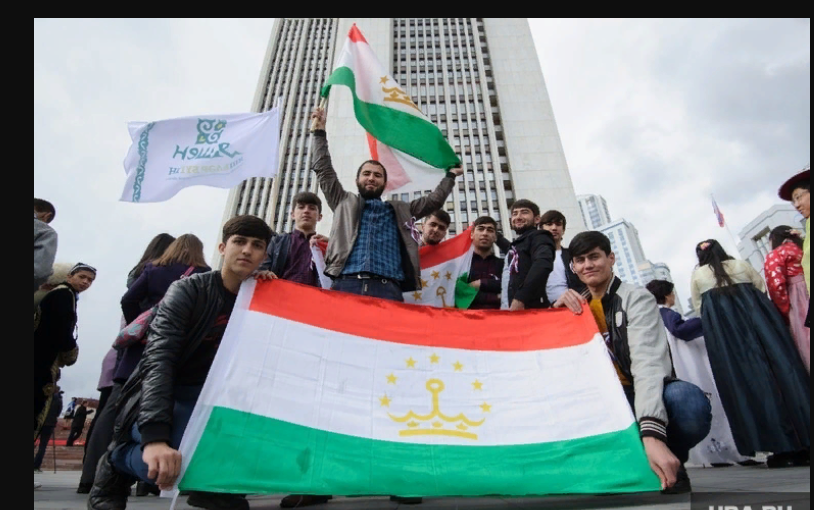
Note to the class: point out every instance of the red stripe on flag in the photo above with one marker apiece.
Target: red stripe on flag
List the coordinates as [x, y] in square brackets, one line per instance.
[355, 35]
[432, 256]
[374, 147]
[377, 319]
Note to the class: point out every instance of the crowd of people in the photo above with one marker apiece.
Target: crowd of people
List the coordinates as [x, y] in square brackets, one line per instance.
[721, 388]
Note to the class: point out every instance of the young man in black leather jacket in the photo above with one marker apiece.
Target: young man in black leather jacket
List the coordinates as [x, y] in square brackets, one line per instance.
[158, 400]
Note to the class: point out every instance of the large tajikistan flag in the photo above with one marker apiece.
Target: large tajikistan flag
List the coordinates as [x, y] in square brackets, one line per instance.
[412, 148]
[320, 392]
[213, 150]
[442, 266]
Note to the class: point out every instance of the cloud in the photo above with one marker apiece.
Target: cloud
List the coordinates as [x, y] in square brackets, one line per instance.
[90, 78]
[656, 115]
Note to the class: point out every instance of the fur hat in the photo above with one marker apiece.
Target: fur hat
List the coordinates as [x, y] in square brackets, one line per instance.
[60, 274]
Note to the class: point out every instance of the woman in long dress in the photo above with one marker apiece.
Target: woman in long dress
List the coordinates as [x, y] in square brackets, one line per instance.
[691, 363]
[761, 379]
[787, 286]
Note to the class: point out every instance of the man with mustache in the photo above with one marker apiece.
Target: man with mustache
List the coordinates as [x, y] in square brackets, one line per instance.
[532, 258]
[372, 250]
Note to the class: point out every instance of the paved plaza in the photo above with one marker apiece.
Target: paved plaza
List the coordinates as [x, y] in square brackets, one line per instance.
[58, 493]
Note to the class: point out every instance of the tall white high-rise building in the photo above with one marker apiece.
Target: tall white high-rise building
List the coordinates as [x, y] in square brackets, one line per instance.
[594, 211]
[624, 238]
[478, 79]
[649, 271]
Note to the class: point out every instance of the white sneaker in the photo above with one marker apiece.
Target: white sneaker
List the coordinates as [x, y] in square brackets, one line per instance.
[37, 486]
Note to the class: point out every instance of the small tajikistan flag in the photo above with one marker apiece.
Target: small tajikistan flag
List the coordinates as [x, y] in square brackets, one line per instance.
[400, 136]
[320, 392]
[442, 267]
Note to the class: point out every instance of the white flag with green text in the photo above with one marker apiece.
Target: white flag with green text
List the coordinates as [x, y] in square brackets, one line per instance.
[212, 150]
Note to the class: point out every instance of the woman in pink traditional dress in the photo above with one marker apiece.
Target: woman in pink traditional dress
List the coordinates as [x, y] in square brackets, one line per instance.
[787, 285]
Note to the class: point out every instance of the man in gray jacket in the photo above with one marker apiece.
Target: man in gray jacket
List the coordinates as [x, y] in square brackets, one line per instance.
[674, 416]
[45, 242]
[373, 249]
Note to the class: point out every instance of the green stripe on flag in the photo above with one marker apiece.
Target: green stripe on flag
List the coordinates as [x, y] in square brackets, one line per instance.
[243, 453]
[465, 294]
[402, 131]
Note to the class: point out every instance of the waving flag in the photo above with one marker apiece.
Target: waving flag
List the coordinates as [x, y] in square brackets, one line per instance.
[215, 150]
[320, 392]
[400, 136]
[718, 213]
[442, 267]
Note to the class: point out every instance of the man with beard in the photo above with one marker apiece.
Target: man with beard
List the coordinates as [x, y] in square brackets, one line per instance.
[532, 258]
[372, 251]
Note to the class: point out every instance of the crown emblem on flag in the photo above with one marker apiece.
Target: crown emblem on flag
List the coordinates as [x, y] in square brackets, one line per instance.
[439, 423]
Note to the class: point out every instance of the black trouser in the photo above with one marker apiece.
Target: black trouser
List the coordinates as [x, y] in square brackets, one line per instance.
[97, 443]
[104, 397]
[74, 435]
[45, 437]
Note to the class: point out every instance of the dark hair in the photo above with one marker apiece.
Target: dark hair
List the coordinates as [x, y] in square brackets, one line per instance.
[484, 220]
[154, 251]
[782, 234]
[801, 184]
[661, 289]
[554, 217]
[585, 242]
[186, 250]
[711, 253]
[371, 162]
[44, 206]
[526, 204]
[307, 198]
[442, 216]
[247, 226]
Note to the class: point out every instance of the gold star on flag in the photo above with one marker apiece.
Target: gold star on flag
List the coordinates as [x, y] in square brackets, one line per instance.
[477, 385]
[385, 401]
[457, 366]
[383, 80]
[391, 379]
[424, 284]
[435, 358]
[417, 296]
[436, 275]
[449, 275]
[411, 363]
[486, 408]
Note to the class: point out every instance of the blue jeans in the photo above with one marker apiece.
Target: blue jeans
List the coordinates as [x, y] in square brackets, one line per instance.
[689, 412]
[127, 457]
[377, 288]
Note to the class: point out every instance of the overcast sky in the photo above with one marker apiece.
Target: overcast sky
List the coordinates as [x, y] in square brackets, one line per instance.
[654, 115]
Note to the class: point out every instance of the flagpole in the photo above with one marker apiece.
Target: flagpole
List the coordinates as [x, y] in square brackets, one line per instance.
[735, 240]
[322, 103]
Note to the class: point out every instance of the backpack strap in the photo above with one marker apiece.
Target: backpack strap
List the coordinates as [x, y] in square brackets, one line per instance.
[189, 272]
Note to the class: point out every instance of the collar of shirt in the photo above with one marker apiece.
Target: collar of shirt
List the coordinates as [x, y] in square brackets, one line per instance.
[303, 235]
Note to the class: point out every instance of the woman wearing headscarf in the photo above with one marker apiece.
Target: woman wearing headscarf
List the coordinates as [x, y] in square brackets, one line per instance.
[762, 382]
